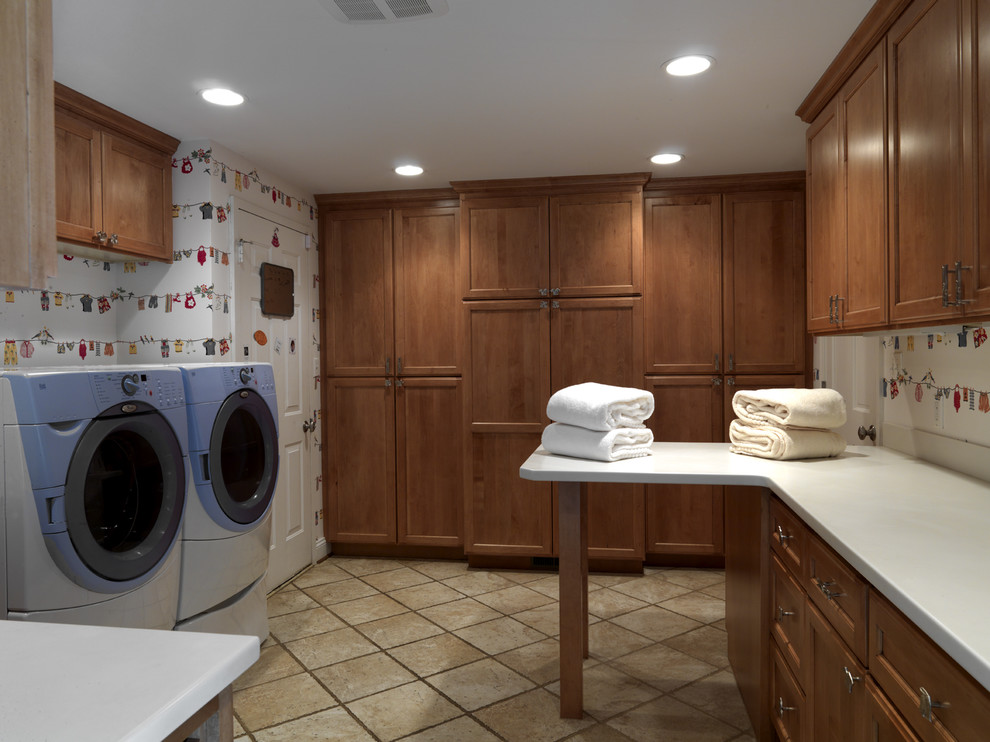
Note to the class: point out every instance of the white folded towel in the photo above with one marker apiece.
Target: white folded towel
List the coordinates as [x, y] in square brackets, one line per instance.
[600, 406]
[611, 445]
[774, 442]
[800, 408]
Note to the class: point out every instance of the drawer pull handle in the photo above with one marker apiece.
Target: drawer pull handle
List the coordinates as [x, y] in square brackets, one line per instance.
[781, 708]
[783, 537]
[781, 613]
[927, 704]
[827, 591]
[851, 679]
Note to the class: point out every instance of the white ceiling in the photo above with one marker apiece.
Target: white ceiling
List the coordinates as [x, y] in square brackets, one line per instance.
[491, 89]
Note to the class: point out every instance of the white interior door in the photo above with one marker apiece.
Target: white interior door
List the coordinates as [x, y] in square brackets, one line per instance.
[288, 346]
[851, 366]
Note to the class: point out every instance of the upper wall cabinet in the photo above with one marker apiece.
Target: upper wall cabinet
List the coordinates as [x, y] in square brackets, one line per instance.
[539, 237]
[113, 179]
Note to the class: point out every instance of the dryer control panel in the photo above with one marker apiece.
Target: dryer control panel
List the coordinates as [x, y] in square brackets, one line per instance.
[161, 388]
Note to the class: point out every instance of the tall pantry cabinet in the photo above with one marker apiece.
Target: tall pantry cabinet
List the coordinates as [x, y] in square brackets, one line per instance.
[393, 387]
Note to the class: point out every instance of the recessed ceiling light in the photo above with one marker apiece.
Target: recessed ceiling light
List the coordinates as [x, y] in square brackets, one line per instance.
[409, 170]
[690, 65]
[222, 97]
[666, 158]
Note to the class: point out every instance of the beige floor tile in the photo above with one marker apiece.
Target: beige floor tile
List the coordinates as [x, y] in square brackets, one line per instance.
[599, 733]
[698, 606]
[359, 567]
[320, 574]
[459, 613]
[395, 579]
[367, 609]
[609, 692]
[664, 668]
[609, 580]
[436, 654]
[549, 586]
[332, 725]
[716, 591]
[272, 703]
[363, 676]
[340, 591]
[273, 663]
[532, 716]
[321, 650]
[656, 623]
[525, 576]
[668, 719]
[514, 599]
[650, 589]
[461, 729]
[396, 630]
[719, 695]
[545, 619]
[304, 623]
[707, 643]
[289, 600]
[423, 596]
[404, 710]
[439, 570]
[607, 641]
[695, 578]
[606, 603]
[540, 662]
[479, 684]
[500, 635]
[476, 583]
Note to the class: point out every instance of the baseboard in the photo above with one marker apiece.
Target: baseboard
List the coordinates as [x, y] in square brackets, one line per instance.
[961, 456]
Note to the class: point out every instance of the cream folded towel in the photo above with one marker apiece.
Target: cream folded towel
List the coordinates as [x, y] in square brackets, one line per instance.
[800, 408]
[600, 406]
[611, 445]
[773, 442]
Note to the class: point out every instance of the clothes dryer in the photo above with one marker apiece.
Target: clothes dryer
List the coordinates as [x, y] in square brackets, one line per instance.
[233, 450]
[93, 487]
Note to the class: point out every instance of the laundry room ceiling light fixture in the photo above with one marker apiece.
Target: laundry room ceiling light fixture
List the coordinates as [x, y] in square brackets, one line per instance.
[221, 97]
[409, 170]
[666, 158]
[692, 64]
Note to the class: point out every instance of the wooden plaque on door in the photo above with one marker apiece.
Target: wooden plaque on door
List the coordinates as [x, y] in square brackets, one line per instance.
[277, 292]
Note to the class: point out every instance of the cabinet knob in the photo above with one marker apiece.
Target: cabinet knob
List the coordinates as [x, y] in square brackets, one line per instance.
[716, 381]
[850, 679]
[555, 292]
[926, 704]
[544, 292]
[113, 239]
[100, 237]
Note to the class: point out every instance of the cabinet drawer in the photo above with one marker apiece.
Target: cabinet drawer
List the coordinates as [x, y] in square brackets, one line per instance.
[788, 703]
[914, 673]
[788, 537]
[886, 725]
[788, 617]
[840, 594]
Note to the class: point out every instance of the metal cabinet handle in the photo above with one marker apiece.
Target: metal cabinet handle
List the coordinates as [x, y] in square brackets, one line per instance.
[543, 305]
[398, 365]
[716, 381]
[926, 704]
[850, 679]
[555, 304]
[827, 591]
[716, 362]
[959, 289]
[101, 237]
[555, 292]
[544, 292]
[388, 383]
[400, 382]
[870, 432]
[783, 537]
[730, 380]
[781, 708]
[781, 613]
[732, 365]
[838, 314]
[957, 270]
[831, 309]
[113, 239]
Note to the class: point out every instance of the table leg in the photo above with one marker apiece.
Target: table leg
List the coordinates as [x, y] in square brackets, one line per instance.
[573, 529]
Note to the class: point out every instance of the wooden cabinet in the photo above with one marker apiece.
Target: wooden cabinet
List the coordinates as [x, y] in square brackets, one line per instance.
[393, 458]
[837, 685]
[560, 237]
[846, 195]
[113, 179]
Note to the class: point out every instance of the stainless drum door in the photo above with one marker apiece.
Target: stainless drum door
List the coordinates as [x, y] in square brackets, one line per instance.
[244, 457]
[124, 493]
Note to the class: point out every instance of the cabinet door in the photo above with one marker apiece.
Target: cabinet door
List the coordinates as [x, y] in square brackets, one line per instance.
[931, 158]
[683, 290]
[358, 284]
[838, 687]
[685, 518]
[826, 217]
[360, 460]
[429, 463]
[596, 244]
[427, 304]
[763, 273]
[600, 340]
[504, 247]
[137, 198]
[78, 201]
[864, 117]
[885, 724]
[981, 270]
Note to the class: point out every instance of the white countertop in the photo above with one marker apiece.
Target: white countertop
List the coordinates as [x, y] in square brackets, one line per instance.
[61, 681]
[919, 533]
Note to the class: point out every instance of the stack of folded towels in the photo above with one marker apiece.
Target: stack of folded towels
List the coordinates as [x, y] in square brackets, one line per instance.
[787, 423]
[598, 421]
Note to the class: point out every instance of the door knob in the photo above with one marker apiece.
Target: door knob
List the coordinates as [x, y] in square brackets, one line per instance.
[864, 433]
[309, 426]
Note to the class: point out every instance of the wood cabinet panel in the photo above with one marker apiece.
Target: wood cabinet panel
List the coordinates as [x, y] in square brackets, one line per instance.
[429, 464]
[789, 706]
[361, 460]
[826, 229]
[885, 724]
[78, 204]
[788, 618]
[789, 539]
[683, 256]
[763, 282]
[137, 197]
[981, 271]
[837, 687]
[839, 593]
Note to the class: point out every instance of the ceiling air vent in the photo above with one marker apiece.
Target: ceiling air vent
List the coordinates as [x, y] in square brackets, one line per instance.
[384, 11]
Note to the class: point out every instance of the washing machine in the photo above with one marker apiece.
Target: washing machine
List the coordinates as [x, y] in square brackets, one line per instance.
[232, 413]
[93, 488]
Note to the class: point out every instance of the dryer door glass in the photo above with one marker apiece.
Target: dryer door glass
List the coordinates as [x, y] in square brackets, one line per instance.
[244, 457]
[124, 494]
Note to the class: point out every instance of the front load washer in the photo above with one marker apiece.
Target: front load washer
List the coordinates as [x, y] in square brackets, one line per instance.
[94, 484]
[233, 452]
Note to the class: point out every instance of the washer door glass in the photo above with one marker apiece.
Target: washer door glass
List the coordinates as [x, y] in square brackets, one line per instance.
[244, 457]
[124, 494]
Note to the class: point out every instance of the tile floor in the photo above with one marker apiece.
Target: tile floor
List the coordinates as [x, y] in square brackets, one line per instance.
[431, 651]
